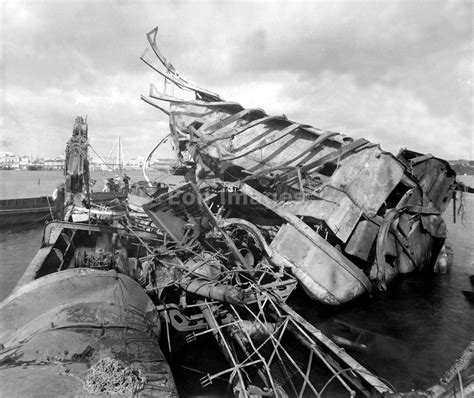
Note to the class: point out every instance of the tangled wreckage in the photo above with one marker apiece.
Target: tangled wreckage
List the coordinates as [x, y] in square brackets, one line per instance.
[340, 214]
[268, 204]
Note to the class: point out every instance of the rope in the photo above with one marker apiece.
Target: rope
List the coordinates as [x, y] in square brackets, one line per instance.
[103, 161]
[50, 208]
[110, 376]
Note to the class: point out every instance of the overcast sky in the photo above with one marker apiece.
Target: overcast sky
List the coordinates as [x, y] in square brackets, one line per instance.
[397, 73]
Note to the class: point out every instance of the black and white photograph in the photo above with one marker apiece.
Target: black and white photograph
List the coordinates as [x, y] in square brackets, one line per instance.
[237, 198]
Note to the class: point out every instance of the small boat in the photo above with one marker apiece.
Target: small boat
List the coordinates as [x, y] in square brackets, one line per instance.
[26, 210]
[35, 167]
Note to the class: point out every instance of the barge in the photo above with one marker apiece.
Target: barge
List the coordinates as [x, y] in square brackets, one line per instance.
[27, 211]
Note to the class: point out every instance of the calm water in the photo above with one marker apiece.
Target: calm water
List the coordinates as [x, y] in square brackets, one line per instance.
[18, 245]
[419, 326]
[26, 183]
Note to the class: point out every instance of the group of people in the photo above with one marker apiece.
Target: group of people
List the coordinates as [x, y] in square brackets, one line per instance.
[114, 184]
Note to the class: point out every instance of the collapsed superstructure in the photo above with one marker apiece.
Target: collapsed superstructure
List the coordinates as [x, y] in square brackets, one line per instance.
[342, 214]
[268, 204]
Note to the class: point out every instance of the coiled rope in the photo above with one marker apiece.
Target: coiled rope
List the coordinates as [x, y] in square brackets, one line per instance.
[110, 376]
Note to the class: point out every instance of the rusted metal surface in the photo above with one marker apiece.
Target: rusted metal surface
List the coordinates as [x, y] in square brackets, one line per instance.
[55, 328]
[240, 306]
[334, 183]
[340, 214]
[320, 275]
[362, 240]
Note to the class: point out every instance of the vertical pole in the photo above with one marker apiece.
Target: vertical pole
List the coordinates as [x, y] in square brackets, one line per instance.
[109, 158]
[121, 156]
[118, 154]
[454, 207]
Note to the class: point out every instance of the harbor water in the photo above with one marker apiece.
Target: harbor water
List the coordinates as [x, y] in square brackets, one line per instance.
[415, 330]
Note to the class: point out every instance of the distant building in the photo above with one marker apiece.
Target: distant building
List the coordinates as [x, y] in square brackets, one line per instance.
[162, 164]
[36, 164]
[24, 162]
[56, 163]
[134, 163]
[9, 161]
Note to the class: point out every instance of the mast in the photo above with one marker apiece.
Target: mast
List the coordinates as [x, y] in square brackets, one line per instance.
[119, 149]
[116, 162]
[120, 154]
[110, 160]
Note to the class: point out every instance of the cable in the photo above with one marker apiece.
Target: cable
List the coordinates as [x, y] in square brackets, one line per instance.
[354, 370]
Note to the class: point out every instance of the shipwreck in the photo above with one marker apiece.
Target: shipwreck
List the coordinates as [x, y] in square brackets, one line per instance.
[267, 205]
[342, 214]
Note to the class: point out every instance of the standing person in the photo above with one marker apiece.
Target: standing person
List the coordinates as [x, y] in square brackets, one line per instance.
[126, 183]
[106, 186]
[117, 184]
[110, 184]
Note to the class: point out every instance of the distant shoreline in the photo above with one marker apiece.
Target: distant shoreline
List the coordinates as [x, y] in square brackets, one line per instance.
[108, 171]
[467, 174]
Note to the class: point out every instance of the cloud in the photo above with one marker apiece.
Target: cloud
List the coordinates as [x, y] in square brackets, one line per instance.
[391, 115]
[425, 47]
[399, 73]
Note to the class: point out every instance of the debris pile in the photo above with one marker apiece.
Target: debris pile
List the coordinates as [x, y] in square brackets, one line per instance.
[269, 204]
[342, 214]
